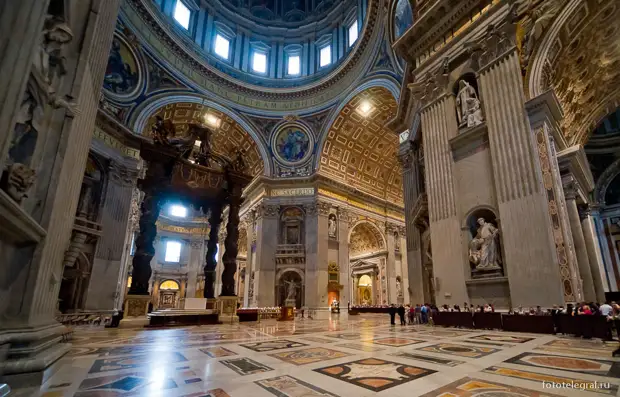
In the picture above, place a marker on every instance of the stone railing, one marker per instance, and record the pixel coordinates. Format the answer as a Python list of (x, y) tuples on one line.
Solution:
[(290, 254)]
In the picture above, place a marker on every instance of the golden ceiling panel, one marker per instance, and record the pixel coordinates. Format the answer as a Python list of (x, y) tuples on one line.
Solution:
[(228, 137), (360, 152), (365, 239), (586, 67)]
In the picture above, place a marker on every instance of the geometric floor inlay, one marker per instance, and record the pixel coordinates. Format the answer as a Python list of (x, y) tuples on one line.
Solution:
[(307, 356), (565, 363), (135, 361), (429, 359), (538, 377), (287, 386), (318, 340), (589, 348), (217, 351), (359, 346), (272, 345), (374, 374), (460, 350), (245, 366), (395, 342), (501, 338), (468, 387)]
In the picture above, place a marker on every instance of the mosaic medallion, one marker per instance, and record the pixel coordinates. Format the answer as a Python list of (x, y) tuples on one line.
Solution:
[(122, 75), (217, 351), (272, 345), (538, 377), (446, 334), (483, 342), (359, 346), (468, 387), (396, 342), (501, 338), (564, 363), (374, 374), (307, 356), (292, 144), (349, 335), (460, 350), (428, 359), (245, 366), (136, 361), (287, 386)]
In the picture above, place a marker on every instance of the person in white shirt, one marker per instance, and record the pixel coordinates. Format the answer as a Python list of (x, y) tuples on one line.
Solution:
[(605, 309)]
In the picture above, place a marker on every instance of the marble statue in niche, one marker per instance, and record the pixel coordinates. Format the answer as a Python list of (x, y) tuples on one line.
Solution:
[(468, 106), (396, 241), (47, 64), (399, 287), (332, 226), (484, 252)]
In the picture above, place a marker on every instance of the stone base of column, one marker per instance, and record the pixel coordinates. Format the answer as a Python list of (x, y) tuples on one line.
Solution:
[(227, 306), (31, 355), (135, 311)]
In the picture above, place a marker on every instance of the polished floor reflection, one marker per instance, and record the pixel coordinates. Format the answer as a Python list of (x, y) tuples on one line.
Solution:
[(336, 356)]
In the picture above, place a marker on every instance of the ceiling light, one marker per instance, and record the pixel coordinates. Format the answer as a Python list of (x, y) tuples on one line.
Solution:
[(197, 143), (365, 108), (212, 120)]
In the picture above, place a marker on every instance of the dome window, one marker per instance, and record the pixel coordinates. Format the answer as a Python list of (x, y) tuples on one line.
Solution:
[(222, 46), (259, 62), (182, 14), (325, 56), (294, 65), (178, 211), (353, 33)]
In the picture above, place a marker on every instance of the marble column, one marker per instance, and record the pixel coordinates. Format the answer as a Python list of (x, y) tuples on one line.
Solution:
[(602, 250), (391, 264), (583, 262), (593, 256), (215, 219), (231, 246), (267, 216), (108, 262), (343, 256), (404, 266), (194, 265), (316, 241)]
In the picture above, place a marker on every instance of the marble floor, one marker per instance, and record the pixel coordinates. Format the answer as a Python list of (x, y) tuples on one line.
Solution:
[(337, 356)]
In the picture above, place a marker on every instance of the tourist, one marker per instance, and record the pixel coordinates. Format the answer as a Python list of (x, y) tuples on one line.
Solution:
[(424, 313), (466, 307), (539, 311), (411, 314), (519, 310), (392, 312), (401, 314), (457, 308), (418, 313), (606, 309)]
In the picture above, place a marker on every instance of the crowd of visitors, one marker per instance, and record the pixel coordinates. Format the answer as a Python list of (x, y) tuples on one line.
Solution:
[(423, 313)]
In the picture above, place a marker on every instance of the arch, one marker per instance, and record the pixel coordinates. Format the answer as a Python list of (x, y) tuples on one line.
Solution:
[(359, 151), (368, 235), (281, 272), (365, 281), (169, 285), (476, 209), (140, 118), (603, 182), (578, 58)]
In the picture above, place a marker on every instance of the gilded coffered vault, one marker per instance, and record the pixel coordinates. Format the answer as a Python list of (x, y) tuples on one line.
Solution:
[(365, 239), (360, 151), (581, 62), (229, 135)]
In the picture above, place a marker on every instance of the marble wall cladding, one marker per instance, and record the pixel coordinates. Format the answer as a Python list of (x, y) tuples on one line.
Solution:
[(473, 179), (312, 259), (264, 277), (449, 269)]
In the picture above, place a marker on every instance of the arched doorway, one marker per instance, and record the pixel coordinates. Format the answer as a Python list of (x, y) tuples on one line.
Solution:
[(168, 294), (286, 277), (367, 263)]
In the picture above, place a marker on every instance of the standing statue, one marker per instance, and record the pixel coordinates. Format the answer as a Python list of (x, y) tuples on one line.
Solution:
[(332, 226), (399, 288), (468, 106), (484, 248), (291, 290)]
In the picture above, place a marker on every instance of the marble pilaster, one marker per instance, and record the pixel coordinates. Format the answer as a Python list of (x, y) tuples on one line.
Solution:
[(194, 266), (29, 325), (404, 266), (601, 249), (391, 273), (583, 262), (596, 264), (249, 265), (343, 257), (266, 243)]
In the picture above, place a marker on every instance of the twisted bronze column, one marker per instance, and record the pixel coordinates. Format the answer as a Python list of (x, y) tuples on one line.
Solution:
[(231, 244), (215, 219)]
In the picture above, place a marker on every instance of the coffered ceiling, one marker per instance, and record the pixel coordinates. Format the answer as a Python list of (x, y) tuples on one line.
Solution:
[(228, 137), (365, 239), (360, 152)]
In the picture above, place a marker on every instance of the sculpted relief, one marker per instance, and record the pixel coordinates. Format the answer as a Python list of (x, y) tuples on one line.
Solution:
[(484, 251)]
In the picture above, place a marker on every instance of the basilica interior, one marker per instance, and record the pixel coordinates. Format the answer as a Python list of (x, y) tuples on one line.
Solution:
[(186, 180)]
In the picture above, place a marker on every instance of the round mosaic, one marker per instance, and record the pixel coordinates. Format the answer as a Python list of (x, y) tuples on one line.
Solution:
[(123, 73), (292, 144)]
